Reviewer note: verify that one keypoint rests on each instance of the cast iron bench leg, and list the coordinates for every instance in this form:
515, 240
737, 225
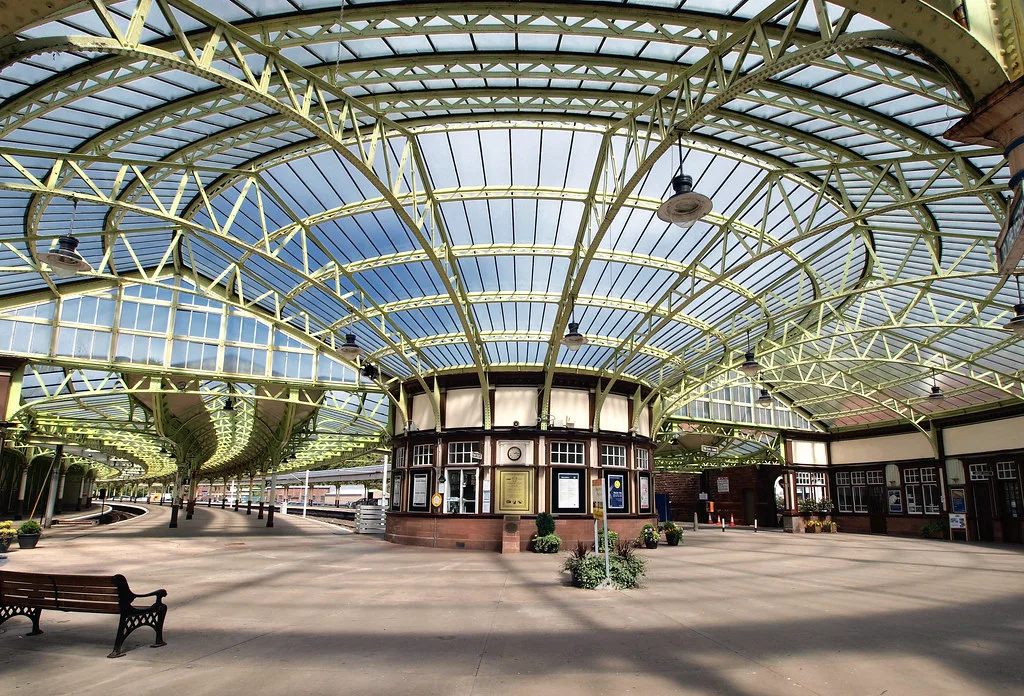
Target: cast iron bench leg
9, 612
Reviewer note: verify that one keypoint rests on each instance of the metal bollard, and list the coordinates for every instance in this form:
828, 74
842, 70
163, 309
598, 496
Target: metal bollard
695, 521
755, 525
722, 519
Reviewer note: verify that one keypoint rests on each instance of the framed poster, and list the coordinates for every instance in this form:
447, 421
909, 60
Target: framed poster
418, 496
515, 491
957, 521
895, 500
616, 492
567, 494
396, 490
723, 484
958, 501
644, 484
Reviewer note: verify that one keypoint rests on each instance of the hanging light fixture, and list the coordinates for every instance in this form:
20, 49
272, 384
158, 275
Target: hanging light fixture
685, 206
573, 339
349, 349
1016, 324
370, 372
750, 367
936, 394
765, 399
65, 261
229, 405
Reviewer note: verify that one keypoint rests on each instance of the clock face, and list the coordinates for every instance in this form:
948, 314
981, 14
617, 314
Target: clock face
514, 453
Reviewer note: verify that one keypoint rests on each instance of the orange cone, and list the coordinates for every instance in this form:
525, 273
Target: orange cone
732, 522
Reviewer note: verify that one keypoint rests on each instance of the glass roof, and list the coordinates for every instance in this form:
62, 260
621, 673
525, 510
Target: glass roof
453, 182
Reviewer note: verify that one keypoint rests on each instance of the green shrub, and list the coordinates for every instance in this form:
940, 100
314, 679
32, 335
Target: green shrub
613, 539
937, 528
548, 543
545, 524
587, 569
30, 527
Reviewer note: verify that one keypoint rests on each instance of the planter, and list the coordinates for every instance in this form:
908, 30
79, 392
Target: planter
28, 541
673, 541
651, 543
812, 530
5, 543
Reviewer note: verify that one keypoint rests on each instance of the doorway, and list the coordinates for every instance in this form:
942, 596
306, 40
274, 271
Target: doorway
1012, 511
748, 506
876, 509
982, 491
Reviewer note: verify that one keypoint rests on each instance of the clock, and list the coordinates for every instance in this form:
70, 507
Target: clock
514, 454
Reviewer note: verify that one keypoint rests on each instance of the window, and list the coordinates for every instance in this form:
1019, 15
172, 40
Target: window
567, 453
1006, 471
876, 478
613, 455
643, 459
914, 500
464, 453
460, 491
859, 503
857, 478
423, 455
844, 496
810, 486
399, 461
980, 472
910, 476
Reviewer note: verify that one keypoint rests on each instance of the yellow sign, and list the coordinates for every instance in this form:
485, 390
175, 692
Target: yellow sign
436, 500
515, 491
597, 501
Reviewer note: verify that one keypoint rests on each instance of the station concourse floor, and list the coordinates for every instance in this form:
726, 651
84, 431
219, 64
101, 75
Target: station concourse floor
310, 608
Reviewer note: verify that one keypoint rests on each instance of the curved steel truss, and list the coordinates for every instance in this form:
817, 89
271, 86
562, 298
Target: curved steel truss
454, 182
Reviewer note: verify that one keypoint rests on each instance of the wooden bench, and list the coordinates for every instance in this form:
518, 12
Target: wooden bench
27, 594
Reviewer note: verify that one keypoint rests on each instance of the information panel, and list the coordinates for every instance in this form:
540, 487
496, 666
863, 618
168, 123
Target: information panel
616, 492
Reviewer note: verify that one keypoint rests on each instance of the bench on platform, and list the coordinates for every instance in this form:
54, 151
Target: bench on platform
27, 594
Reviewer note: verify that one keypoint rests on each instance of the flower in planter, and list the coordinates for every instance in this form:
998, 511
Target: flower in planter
650, 534
29, 527
825, 506
673, 534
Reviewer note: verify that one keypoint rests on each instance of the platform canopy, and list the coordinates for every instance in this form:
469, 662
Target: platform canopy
453, 183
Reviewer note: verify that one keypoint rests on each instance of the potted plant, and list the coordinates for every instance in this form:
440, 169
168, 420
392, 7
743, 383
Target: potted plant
28, 534
829, 527
826, 506
807, 507
650, 536
7, 535
546, 541
812, 526
673, 534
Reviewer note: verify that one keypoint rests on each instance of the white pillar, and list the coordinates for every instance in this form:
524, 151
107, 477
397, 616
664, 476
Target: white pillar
305, 494
51, 498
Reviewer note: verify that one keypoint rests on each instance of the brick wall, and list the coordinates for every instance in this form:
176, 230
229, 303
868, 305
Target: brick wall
483, 532
682, 492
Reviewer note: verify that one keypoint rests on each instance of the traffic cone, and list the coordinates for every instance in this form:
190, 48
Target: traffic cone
732, 522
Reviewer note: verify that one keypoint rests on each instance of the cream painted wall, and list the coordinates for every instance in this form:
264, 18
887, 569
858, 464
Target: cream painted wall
615, 413
809, 452
990, 436
422, 413
571, 403
643, 424
513, 404
464, 408
886, 448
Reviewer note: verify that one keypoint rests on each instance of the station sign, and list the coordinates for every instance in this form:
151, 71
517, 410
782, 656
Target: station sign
709, 450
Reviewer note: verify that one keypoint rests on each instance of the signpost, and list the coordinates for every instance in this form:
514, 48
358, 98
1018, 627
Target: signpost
709, 450
598, 506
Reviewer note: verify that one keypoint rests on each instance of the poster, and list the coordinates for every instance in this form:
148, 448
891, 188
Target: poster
597, 501
958, 500
568, 491
723, 484
616, 492
645, 493
419, 490
895, 500
958, 521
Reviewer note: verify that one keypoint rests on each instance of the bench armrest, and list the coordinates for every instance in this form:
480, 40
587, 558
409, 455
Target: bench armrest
159, 594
